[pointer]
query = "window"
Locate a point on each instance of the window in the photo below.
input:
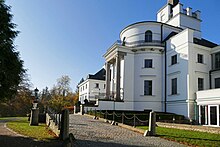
(162, 18)
(148, 63)
(200, 84)
(123, 42)
(148, 36)
(96, 85)
(217, 60)
(104, 86)
(217, 82)
(174, 86)
(203, 114)
(86, 86)
(173, 59)
(147, 87)
(200, 58)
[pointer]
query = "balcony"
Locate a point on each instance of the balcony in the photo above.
(102, 96)
(207, 97)
(141, 43)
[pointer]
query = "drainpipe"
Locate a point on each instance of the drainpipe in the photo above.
(195, 110)
(210, 79)
(165, 72)
(165, 91)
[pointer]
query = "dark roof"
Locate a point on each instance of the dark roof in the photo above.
(100, 75)
(169, 36)
(204, 42)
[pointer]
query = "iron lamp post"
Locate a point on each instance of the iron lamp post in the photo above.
(35, 110)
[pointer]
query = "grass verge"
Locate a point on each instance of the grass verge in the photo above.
(6, 118)
(194, 138)
(21, 126)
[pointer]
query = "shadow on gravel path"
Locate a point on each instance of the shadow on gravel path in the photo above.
(19, 141)
(89, 143)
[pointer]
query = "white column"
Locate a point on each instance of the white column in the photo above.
(200, 116)
(107, 79)
(206, 115)
(218, 119)
(118, 68)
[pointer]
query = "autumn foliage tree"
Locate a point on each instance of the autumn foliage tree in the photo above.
(21, 103)
(75, 97)
(61, 94)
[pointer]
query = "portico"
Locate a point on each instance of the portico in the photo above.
(114, 66)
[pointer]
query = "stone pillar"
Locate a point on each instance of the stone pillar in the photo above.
(34, 116)
(107, 80)
(64, 131)
(118, 74)
(74, 110)
(82, 109)
(152, 125)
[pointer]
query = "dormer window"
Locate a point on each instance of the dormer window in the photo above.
(148, 36)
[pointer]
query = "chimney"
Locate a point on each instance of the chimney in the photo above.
(189, 11)
(173, 2)
(198, 14)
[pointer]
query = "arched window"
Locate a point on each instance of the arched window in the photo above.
(123, 42)
(148, 36)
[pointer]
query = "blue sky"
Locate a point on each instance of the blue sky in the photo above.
(69, 37)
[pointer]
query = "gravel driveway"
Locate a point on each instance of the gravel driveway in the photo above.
(95, 133)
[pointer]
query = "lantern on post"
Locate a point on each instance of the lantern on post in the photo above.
(35, 110)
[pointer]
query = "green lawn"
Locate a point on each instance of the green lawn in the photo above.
(6, 118)
(21, 126)
(194, 138)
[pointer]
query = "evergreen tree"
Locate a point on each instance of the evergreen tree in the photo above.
(11, 66)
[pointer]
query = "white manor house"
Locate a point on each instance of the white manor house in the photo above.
(164, 66)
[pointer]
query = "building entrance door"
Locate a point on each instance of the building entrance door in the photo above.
(214, 115)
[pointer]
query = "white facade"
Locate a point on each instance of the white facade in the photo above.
(92, 88)
(156, 65)
(90, 91)
(209, 100)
